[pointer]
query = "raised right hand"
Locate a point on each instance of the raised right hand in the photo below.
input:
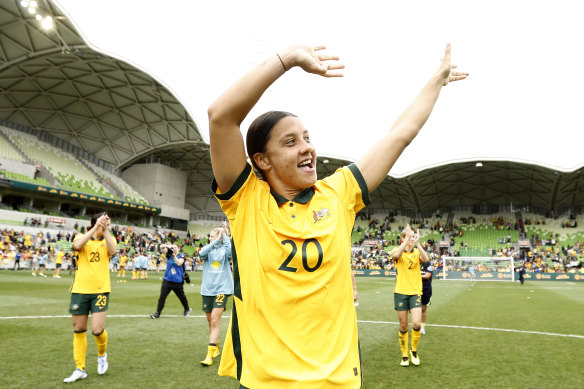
(311, 60)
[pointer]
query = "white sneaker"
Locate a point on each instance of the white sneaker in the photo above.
(102, 364)
(42, 275)
(34, 274)
(56, 276)
(423, 331)
(77, 375)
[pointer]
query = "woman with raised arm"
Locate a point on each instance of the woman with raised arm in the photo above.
(90, 292)
(407, 294)
(293, 322)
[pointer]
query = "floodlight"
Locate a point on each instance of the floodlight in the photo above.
(24, 3)
(32, 10)
(47, 22)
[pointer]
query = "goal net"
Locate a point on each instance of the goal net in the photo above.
(477, 268)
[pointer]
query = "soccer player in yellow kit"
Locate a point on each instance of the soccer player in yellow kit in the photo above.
(58, 263)
(123, 262)
(294, 324)
(408, 291)
(90, 292)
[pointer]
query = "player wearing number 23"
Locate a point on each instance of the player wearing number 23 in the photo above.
(90, 293)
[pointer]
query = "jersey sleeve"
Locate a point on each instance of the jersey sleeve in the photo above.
(78, 236)
(350, 186)
(230, 199)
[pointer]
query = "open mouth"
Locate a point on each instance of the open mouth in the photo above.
(306, 165)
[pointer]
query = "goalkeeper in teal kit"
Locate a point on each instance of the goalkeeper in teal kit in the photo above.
(216, 286)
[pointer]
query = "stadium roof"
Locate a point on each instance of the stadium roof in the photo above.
(53, 81)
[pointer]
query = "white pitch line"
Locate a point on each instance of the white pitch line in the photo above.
(109, 316)
(359, 321)
(482, 328)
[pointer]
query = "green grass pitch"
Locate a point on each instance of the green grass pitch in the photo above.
(479, 335)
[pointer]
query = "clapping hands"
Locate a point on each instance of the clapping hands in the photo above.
(104, 222)
(412, 237)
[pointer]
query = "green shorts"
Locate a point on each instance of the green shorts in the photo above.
(82, 304)
(405, 302)
(211, 302)
(58, 266)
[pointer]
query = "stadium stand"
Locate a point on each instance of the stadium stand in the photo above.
(553, 244)
(128, 192)
(71, 174)
(23, 178)
(201, 228)
(8, 151)
(29, 239)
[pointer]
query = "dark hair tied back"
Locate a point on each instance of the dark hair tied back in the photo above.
(258, 133)
(95, 217)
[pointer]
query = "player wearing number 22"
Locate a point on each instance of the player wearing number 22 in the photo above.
(408, 291)
(90, 293)
(294, 324)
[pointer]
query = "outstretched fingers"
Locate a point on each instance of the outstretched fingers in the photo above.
(457, 76)
(329, 68)
(334, 67)
(446, 68)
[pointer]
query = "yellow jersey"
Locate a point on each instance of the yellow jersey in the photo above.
(293, 323)
(123, 260)
(409, 277)
(92, 275)
(59, 257)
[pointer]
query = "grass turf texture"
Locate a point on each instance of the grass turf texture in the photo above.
(165, 353)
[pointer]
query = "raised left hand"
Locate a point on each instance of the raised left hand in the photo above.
(446, 69)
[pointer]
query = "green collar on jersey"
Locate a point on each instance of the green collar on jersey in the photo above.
(302, 197)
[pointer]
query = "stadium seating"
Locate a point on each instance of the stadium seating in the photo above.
(202, 228)
(7, 151)
(487, 235)
(23, 178)
(71, 174)
(129, 193)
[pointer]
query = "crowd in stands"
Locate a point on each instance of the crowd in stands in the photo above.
(371, 250)
(25, 244)
(543, 254)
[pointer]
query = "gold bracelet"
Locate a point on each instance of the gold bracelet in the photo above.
(282, 62)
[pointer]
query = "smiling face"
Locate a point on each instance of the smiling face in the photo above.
(289, 160)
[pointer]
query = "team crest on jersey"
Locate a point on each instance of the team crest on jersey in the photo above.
(216, 264)
(321, 214)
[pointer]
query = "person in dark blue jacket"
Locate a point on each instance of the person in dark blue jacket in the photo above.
(173, 280)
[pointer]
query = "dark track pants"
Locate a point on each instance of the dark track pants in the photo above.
(175, 287)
